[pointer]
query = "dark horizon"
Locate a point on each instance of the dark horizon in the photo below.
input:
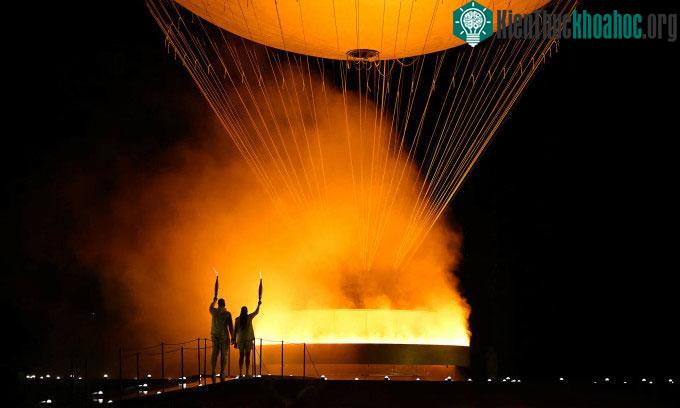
(566, 220)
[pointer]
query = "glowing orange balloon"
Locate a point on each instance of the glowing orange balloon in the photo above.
(332, 28)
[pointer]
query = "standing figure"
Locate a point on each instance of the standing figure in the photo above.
(222, 330)
(244, 337)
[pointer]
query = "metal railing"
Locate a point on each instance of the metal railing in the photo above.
(155, 369)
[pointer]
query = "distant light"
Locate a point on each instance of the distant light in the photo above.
(106, 376)
(651, 382)
(323, 377)
(356, 378)
(80, 378)
(101, 401)
(387, 378)
(259, 376)
(561, 378)
(145, 392)
(41, 377)
(625, 382)
(49, 401)
(644, 380)
(512, 381)
(469, 379)
(504, 380)
(670, 381)
(519, 381)
(47, 376)
(110, 401)
(418, 379)
(158, 392)
(488, 380)
(58, 378)
(607, 379)
(148, 376)
(447, 378)
(145, 385)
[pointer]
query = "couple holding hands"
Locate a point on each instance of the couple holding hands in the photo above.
(241, 334)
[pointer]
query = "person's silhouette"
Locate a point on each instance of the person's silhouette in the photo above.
(244, 337)
(222, 329)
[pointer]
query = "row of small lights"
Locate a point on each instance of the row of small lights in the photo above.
(323, 377)
(100, 392)
(517, 380)
(183, 385)
(626, 381)
(105, 376)
(98, 397)
(97, 400)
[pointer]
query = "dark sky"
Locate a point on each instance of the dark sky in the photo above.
(569, 220)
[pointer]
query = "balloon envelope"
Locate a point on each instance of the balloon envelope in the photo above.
(331, 28)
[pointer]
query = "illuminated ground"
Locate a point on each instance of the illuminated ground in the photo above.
(295, 392)
(303, 393)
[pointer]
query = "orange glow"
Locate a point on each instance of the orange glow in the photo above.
(325, 232)
(367, 326)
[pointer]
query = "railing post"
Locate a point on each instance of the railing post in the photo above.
(260, 355)
(205, 358)
(73, 374)
(304, 359)
(137, 357)
(254, 360)
(281, 358)
(181, 362)
(120, 370)
(163, 365)
(87, 382)
(198, 351)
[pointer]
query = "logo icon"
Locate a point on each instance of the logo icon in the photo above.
(473, 23)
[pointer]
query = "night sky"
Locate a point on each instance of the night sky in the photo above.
(569, 220)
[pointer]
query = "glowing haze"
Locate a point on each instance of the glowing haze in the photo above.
(324, 227)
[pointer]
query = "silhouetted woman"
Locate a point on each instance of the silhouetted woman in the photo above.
(244, 337)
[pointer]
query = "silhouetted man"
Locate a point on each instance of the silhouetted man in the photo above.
(221, 331)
